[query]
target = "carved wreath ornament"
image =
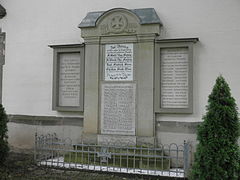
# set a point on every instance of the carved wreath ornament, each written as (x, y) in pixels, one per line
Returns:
(118, 24)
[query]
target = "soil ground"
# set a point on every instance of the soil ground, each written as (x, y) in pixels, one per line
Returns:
(20, 166)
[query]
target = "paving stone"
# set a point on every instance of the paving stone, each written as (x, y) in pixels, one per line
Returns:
(22, 167)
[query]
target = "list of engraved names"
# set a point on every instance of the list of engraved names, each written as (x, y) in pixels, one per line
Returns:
(174, 78)
(118, 108)
(69, 79)
(119, 62)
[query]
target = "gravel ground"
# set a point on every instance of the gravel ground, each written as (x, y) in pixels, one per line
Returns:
(21, 166)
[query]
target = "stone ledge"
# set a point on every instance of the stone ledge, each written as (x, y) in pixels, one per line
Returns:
(46, 120)
(177, 127)
(117, 140)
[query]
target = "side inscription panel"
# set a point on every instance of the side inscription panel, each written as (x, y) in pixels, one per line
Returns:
(174, 77)
(69, 79)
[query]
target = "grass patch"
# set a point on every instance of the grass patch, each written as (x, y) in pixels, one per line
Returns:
(141, 158)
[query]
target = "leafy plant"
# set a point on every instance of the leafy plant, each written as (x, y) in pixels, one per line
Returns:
(4, 149)
(217, 155)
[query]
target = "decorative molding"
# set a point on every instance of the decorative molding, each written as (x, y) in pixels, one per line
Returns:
(118, 24)
(117, 40)
(193, 40)
(66, 45)
(91, 40)
(145, 15)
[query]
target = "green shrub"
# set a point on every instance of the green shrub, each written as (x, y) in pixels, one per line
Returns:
(3, 135)
(217, 155)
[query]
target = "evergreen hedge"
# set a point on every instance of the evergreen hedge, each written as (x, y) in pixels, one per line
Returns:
(4, 149)
(217, 156)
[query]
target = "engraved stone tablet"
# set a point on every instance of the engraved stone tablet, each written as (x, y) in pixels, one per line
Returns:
(69, 79)
(119, 62)
(174, 78)
(118, 108)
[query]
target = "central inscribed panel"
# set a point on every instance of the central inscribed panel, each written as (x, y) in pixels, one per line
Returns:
(119, 62)
(118, 108)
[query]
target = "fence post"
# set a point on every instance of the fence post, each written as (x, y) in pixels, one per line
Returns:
(186, 154)
(35, 148)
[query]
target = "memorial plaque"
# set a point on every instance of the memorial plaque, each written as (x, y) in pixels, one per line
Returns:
(174, 78)
(119, 62)
(118, 108)
(69, 79)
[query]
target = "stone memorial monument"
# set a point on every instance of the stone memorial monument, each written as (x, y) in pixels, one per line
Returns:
(119, 78)
(122, 76)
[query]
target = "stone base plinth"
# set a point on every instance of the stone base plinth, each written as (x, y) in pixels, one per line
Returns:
(146, 141)
(116, 140)
(88, 138)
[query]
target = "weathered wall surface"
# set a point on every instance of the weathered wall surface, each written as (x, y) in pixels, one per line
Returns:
(31, 26)
(22, 129)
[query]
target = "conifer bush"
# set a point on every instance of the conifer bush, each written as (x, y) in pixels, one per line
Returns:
(3, 135)
(217, 155)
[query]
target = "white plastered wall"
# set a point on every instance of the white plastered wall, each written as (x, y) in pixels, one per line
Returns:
(31, 26)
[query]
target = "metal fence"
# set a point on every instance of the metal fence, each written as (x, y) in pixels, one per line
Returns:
(165, 160)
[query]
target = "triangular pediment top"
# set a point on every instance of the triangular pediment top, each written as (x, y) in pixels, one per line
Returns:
(145, 16)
